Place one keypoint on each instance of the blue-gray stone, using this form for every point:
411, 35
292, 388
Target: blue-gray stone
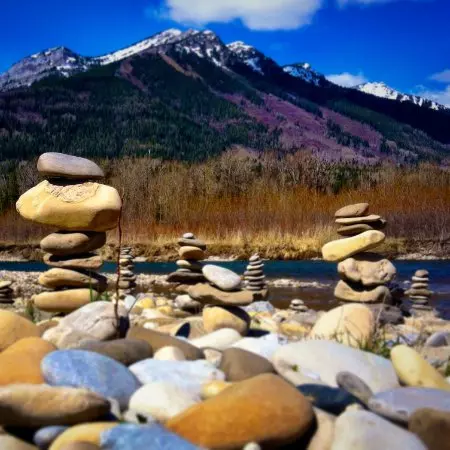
330, 399
84, 369
438, 339
399, 404
134, 437
45, 436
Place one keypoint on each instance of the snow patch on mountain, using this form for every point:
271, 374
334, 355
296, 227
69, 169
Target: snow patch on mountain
305, 72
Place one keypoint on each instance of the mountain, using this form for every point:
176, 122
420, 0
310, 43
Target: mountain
188, 96
380, 89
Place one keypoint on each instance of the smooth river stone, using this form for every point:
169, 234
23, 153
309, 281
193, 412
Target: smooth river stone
192, 243
185, 277
72, 243
354, 385
239, 365
64, 301
363, 430
187, 375
353, 293
191, 265
58, 278
98, 373
355, 210
344, 248
349, 324
413, 370
60, 165
352, 230
14, 327
399, 404
358, 220
218, 340
209, 295
419, 292
44, 437
190, 252
301, 358
263, 409
422, 273
8, 442
139, 437
367, 268
432, 427
224, 279
88, 261
217, 317
31, 406
88, 206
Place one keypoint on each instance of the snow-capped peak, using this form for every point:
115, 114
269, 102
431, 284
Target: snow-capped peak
239, 46
248, 55
305, 72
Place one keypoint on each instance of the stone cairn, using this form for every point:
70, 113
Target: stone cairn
298, 305
191, 252
6, 292
419, 293
254, 277
71, 199
364, 276
127, 279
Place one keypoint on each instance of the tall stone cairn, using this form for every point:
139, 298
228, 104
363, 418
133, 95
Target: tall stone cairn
6, 292
419, 292
71, 199
191, 252
254, 277
127, 279
364, 275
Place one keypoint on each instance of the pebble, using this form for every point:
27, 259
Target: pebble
353, 293
60, 165
65, 243
224, 279
161, 400
344, 248
217, 317
300, 358
65, 301
349, 324
239, 365
191, 265
354, 385
279, 415
355, 210
399, 404
140, 437
44, 437
413, 370
80, 368
432, 427
32, 406
218, 340
88, 206
363, 430
14, 327
186, 375
422, 273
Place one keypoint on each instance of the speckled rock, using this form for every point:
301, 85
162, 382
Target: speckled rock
224, 279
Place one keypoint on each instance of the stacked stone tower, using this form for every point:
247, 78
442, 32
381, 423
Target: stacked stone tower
71, 199
191, 252
254, 277
364, 275
6, 292
420, 293
127, 279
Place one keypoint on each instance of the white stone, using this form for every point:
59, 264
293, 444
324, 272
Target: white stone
217, 340
169, 354
264, 346
224, 279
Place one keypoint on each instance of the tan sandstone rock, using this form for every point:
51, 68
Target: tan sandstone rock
347, 293
64, 301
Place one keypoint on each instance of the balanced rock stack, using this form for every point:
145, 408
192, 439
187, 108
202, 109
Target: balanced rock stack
127, 279
6, 292
298, 305
191, 252
419, 293
254, 277
83, 210
363, 275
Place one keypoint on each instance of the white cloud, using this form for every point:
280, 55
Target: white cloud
439, 96
443, 77
254, 14
346, 79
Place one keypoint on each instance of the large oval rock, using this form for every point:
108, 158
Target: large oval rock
187, 375
14, 327
349, 324
88, 261
30, 406
60, 165
191, 252
355, 293
209, 295
264, 409
217, 317
88, 206
218, 340
355, 210
301, 358
98, 373
413, 370
64, 301
344, 248
21, 362
239, 365
264, 346
364, 430
367, 268
159, 340
72, 243
224, 279
66, 338
60, 278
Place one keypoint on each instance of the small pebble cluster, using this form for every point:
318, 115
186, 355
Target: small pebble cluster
191, 252
6, 292
127, 279
363, 275
419, 292
254, 277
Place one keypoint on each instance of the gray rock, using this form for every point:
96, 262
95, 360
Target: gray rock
261, 306
422, 273
358, 220
186, 303
189, 264
185, 277
420, 279
65, 243
255, 267
355, 293
355, 210
59, 165
353, 230
265, 346
224, 279
207, 294
192, 242
254, 258
46, 435
355, 385
188, 236
88, 261
438, 339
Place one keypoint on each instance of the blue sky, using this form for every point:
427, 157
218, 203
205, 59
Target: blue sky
405, 43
